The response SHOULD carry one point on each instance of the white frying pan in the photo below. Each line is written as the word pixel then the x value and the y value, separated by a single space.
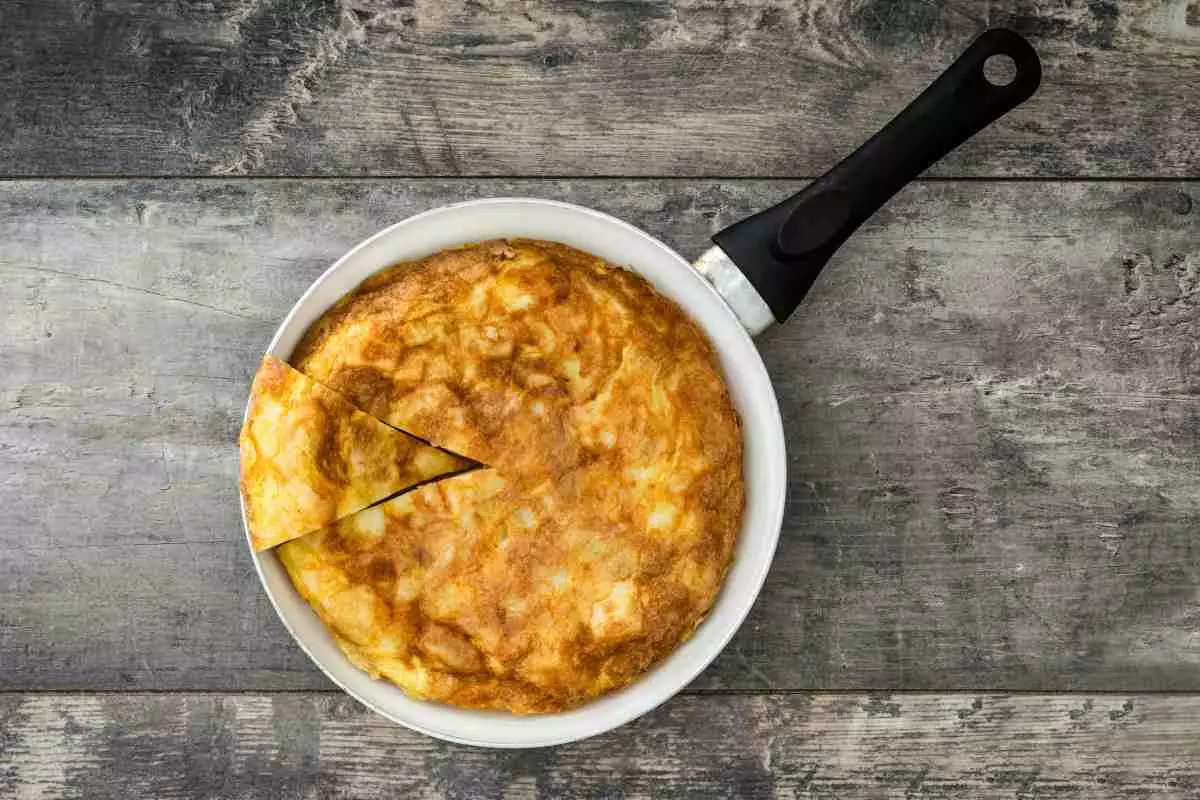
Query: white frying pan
pixel 757 274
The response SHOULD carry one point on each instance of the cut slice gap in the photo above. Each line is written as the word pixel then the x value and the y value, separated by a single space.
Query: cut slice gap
pixel 472 467
pixel 310 457
pixel 348 519
pixel 474 463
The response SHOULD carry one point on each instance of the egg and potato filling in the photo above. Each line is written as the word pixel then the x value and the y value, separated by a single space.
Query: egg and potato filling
pixel 598 534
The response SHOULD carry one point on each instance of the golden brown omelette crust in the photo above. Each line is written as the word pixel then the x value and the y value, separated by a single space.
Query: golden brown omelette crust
pixel 309 457
pixel 489 349
pixel 599 539
pixel 476 594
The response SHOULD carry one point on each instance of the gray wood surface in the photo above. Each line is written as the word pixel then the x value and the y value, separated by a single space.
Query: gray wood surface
pixel 992 402
pixel 573 87
pixel 300 746
pixel 992 398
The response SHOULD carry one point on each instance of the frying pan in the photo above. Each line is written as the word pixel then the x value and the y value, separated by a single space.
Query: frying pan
pixel 757 274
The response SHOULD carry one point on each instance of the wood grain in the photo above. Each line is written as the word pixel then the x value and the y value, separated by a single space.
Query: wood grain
pixel 572 87
pixel 939 747
pixel 992 402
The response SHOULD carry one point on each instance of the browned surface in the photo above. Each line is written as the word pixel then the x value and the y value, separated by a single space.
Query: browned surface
pixel 602 536
pixel 471 592
pixel 531 357
pixel 309 457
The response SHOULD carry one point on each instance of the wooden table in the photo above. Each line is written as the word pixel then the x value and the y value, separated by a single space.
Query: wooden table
pixel 989 575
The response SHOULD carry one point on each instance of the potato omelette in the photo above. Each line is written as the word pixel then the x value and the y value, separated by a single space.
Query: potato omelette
pixel 598 535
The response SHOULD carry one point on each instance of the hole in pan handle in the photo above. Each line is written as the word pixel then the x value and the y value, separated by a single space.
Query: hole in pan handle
pixel 782 250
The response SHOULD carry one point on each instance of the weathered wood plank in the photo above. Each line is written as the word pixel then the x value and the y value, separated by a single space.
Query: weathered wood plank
pixel 992 402
pixel 573 87
pixel 791 746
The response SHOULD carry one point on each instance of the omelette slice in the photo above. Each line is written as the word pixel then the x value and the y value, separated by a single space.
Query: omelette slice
pixel 309 457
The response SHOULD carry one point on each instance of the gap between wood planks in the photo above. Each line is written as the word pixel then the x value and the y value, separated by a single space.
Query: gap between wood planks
pixel 940 179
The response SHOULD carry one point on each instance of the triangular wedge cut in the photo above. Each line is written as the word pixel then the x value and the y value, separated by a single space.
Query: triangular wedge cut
pixel 310 458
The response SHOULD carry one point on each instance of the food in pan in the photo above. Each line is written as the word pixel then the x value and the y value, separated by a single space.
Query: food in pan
pixel 598 535
pixel 310 458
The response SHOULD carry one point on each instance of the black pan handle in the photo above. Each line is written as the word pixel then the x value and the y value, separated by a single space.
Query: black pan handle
pixel 782 250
